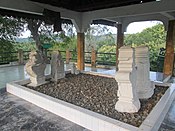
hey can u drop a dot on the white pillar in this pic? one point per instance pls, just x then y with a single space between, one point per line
126 78
144 87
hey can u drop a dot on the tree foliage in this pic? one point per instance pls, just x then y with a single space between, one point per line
154 38
97 36
10 28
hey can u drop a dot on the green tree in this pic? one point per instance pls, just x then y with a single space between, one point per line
153 37
10 28
95 35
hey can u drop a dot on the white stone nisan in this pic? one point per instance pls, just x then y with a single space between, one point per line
57 66
35 68
126 77
74 69
144 87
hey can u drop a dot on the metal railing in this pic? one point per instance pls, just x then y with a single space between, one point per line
101 58
7 57
106 58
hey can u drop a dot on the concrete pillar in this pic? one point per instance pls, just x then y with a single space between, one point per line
80 51
120 40
20 56
126 78
93 58
169 54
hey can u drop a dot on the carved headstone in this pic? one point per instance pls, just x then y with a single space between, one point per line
74 69
57 66
144 87
126 77
35 68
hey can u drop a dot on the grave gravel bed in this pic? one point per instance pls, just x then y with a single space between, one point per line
98 94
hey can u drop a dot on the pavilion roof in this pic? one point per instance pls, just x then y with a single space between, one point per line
90 5
4 12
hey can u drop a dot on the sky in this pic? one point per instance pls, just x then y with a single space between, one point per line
134 27
139 26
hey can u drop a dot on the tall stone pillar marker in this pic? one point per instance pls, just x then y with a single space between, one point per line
169 54
144 87
57 66
80 51
126 78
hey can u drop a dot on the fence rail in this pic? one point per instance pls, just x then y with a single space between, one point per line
100 59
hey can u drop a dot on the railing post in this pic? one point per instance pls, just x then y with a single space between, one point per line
68 56
93 58
20 57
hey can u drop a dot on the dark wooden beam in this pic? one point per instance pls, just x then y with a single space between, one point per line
107 4
104 22
89 5
23 15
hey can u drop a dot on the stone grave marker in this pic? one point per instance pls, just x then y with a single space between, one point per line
126 78
35 68
57 66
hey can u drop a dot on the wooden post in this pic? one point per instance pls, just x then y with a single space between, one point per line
80 51
93 58
20 57
120 40
169 54
68 56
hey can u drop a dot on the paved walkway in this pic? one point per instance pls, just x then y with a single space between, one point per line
168 123
18 114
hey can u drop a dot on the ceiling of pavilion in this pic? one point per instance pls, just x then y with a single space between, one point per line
90 5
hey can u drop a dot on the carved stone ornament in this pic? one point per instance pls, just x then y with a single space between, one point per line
35 68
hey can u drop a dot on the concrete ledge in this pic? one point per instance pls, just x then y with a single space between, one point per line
88 119
156 116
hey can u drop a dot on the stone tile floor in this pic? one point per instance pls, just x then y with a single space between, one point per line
18 114
168 123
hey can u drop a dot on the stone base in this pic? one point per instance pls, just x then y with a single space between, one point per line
37 81
130 107
145 94
58 76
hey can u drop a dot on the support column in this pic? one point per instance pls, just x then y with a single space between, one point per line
80 51
120 41
169 54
